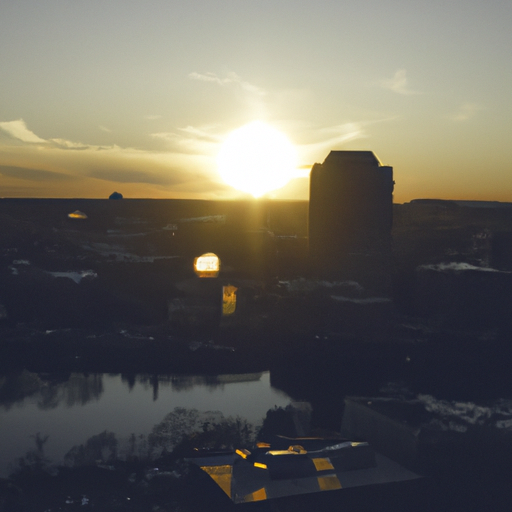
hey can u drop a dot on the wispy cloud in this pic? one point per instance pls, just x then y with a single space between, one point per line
67 144
328 138
183 166
121 175
342 133
191 139
105 129
331 137
229 79
24 173
399 84
170 137
18 130
202 132
465 112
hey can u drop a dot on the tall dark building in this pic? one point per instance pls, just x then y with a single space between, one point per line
350 217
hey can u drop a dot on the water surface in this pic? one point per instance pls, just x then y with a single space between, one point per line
69 410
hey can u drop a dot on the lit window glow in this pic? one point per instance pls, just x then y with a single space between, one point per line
207 265
228 300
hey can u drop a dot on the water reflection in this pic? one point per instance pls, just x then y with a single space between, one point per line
179 432
187 382
209 429
78 417
49 391
98 449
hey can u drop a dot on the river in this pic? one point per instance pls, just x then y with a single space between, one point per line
63 412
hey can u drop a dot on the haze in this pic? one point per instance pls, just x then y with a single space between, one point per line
138 96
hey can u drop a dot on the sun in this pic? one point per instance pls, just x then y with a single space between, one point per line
257 158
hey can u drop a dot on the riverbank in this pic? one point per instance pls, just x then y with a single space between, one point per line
417 352
465 375
463 455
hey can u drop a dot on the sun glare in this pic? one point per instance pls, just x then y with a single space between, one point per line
256 158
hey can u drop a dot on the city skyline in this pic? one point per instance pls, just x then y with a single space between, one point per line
139 97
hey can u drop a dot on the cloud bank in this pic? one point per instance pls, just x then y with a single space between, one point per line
24 173
63 168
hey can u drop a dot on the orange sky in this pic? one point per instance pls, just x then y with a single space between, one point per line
138 98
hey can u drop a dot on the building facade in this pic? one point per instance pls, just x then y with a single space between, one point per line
350 217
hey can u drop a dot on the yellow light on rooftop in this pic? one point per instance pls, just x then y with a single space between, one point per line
77 214
207 265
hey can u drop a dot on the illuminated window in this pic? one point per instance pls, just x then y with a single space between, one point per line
207 265
228 300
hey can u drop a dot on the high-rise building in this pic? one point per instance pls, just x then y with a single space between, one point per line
350 218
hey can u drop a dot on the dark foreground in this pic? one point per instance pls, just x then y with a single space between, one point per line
443 333
466 464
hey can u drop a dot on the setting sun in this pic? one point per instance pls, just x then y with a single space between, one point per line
256 158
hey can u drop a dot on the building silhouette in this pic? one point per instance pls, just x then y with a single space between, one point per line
350 218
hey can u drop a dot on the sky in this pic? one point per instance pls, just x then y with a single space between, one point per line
137 97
